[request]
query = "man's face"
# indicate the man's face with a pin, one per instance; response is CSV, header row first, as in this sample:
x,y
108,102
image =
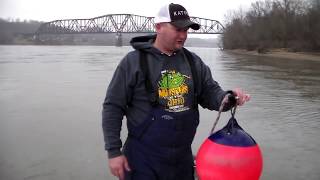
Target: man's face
x,y
173,38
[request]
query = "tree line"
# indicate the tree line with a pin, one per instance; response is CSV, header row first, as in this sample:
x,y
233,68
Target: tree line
x,y
291,24
12,31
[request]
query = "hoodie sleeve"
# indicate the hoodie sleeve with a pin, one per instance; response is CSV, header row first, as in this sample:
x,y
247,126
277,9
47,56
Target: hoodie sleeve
x,y
211,94
114,108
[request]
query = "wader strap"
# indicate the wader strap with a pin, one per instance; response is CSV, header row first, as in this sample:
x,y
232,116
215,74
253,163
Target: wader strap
x,y
144,65
194,76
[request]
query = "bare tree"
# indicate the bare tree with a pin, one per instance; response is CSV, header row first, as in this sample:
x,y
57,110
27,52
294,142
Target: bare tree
x,y
290,24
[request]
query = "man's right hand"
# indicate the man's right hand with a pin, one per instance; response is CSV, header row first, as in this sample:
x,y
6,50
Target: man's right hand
x,y
118,165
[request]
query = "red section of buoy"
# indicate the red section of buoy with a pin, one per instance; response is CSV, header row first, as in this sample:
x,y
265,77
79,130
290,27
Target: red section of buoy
x,y
229,154
223,162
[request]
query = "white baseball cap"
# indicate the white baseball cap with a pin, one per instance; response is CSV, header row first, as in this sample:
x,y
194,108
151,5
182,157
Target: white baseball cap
x,y
176,15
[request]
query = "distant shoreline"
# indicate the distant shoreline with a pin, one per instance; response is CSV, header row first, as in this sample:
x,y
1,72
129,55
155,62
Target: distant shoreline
x,y
279,53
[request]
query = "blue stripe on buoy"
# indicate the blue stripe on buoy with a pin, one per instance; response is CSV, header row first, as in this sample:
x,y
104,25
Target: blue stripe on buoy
x,y
233,135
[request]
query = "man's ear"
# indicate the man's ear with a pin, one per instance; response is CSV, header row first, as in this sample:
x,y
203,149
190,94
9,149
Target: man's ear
x,y
158,26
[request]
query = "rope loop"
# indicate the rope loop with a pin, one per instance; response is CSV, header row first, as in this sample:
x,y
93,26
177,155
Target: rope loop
x,y
223,103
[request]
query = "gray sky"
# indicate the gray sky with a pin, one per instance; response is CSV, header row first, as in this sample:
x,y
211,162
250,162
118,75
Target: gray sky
x,y
49,10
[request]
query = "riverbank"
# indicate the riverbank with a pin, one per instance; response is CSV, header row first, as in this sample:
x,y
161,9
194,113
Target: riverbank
x,y
279,53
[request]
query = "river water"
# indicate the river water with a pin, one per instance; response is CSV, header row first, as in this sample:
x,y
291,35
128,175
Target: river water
x,y
51,99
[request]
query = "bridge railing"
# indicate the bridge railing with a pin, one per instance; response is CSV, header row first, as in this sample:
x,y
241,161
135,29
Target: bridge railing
x,y
119,23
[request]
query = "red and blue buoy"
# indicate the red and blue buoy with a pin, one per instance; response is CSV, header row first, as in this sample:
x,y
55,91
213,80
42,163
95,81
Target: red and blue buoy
x,y
229,154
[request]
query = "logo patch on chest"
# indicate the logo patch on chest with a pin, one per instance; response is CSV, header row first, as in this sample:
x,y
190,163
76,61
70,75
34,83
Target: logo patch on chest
x,y
167,117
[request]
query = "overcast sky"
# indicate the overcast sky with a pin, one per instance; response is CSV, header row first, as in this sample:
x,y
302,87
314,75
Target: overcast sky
x,y
49,10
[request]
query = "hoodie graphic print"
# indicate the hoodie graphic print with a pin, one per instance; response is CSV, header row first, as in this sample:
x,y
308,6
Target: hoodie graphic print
x,y
174,85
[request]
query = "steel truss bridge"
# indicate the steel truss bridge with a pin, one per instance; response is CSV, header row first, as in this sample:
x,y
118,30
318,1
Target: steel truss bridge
x,y
118,23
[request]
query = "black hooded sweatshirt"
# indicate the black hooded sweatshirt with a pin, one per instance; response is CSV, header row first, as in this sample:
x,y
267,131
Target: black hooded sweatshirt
x,y
170,75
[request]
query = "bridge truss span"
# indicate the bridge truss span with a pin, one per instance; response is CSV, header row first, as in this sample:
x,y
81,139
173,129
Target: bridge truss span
x,y
208,26
119,23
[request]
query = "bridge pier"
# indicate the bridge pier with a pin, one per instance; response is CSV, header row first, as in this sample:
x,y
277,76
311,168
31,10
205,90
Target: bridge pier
x,y
119,39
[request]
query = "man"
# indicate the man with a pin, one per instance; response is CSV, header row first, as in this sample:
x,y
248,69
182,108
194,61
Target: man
x,y
158,88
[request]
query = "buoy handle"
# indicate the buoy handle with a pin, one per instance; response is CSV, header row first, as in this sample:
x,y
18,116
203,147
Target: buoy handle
x,y
233,110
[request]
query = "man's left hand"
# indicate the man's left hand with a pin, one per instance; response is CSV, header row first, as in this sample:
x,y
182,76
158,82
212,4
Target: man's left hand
x,y
241,96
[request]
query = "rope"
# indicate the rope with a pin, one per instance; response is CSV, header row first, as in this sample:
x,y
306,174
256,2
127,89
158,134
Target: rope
x,y
223,103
